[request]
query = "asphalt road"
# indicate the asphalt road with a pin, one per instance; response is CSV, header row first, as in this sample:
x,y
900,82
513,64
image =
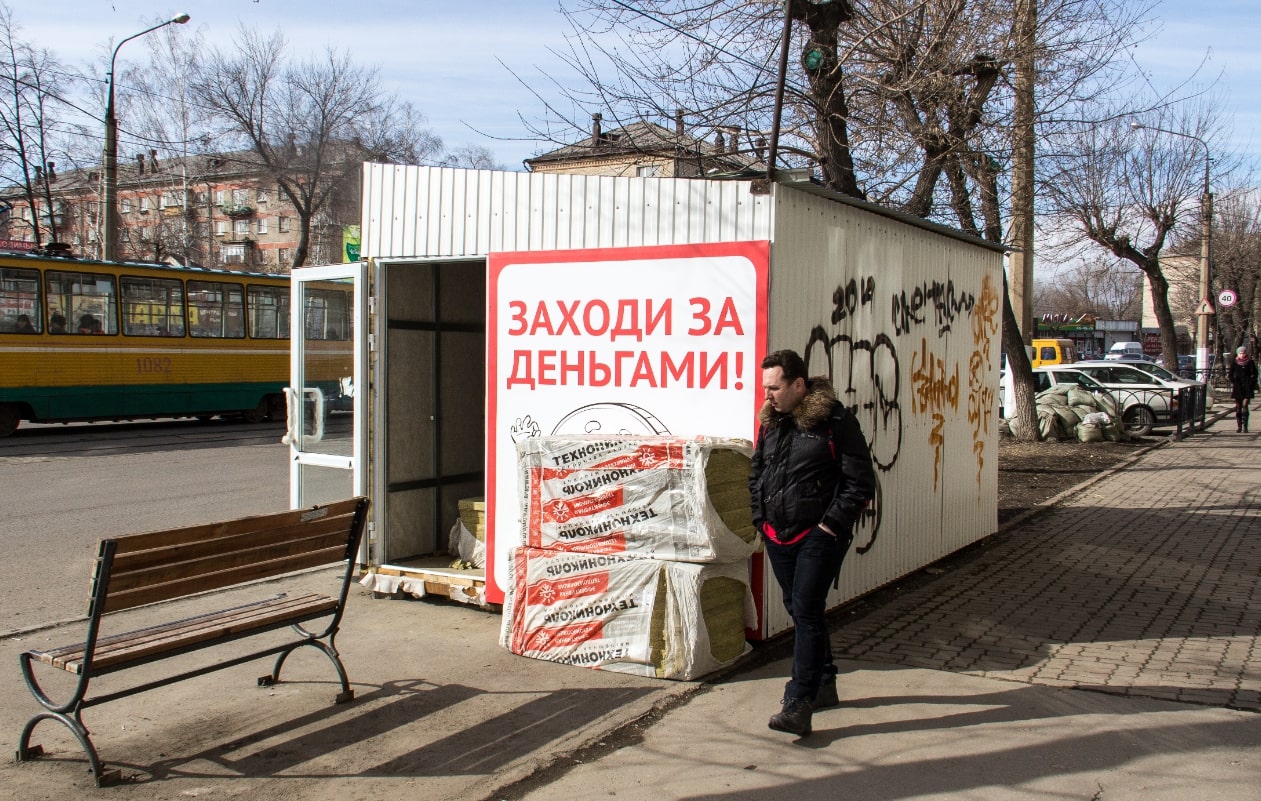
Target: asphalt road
x,y
64,487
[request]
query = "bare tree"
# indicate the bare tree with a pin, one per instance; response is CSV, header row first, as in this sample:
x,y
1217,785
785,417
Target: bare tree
x,y
1237,266
473,157
29,113
1095,288
309,125
1132,192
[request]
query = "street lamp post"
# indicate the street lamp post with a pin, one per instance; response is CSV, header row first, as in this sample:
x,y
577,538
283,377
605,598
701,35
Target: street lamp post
x,y
109,180
1206,233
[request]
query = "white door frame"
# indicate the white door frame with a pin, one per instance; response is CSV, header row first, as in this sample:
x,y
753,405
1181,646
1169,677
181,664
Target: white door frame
x,y
357,273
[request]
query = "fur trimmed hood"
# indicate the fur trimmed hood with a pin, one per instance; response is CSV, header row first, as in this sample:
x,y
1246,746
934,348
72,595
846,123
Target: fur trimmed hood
x,y
815,407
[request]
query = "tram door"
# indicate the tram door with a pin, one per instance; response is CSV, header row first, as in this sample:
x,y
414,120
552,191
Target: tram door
x,y
327,394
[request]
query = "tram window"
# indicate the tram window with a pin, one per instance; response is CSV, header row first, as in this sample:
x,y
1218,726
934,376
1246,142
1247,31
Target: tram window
x,y
216,310
19,302
87,302
153,307
327,315
269,312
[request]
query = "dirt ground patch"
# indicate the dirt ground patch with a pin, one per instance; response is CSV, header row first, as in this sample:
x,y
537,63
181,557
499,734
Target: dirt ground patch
x,y
1031,472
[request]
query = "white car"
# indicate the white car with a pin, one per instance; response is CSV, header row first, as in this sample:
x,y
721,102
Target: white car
x,y
1160,371
1117,371
1143,401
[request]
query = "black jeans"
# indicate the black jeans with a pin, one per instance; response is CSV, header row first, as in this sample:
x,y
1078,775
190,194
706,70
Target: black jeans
x,y
806,570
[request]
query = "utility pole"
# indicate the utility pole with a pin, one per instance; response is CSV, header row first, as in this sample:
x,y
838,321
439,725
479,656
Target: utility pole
x,y
109,155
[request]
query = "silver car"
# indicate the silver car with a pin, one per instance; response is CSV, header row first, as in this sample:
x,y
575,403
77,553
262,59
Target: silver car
x,y
1144,400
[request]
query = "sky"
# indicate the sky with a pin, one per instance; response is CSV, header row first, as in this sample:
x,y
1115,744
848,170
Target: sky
x,y
455,61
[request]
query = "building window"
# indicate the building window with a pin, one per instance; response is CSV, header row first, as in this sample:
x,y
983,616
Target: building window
x,y
124,205
282,224
240,197
261,196
648,171
144,205
218,197
233,254
262,225
221,227
241,227
171,199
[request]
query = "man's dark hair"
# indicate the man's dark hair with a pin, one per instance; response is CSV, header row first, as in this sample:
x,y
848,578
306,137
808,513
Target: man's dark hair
x,y
794,366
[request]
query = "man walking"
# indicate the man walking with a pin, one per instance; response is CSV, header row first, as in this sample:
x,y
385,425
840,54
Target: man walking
x,y
810,480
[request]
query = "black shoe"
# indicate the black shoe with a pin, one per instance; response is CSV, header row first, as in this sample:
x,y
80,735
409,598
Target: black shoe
x,y
795,717
826,698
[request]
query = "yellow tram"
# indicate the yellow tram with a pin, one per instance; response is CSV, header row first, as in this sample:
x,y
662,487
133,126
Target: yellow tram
x,y
91,340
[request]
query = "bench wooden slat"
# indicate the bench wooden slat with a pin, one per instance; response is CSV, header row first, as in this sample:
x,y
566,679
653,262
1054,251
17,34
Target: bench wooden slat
x,y
75,650
208,628
214,564
192,534
122,653
152,593
132,560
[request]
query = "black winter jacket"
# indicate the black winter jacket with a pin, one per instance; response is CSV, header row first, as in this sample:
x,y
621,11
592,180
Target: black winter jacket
x,y
799,479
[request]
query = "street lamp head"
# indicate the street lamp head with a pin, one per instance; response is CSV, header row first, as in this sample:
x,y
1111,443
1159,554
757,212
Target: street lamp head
x,y
181,19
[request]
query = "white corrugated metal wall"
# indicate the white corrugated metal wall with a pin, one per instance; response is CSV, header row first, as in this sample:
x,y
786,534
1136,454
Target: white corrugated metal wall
x,y
899,317
428,212
904,319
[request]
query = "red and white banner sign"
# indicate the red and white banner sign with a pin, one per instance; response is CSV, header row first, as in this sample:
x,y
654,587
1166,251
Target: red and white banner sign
x,y
653,340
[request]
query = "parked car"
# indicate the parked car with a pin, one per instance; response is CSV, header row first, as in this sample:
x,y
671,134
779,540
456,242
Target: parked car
x,y
1120,350
1152,369
1143,402
1052,351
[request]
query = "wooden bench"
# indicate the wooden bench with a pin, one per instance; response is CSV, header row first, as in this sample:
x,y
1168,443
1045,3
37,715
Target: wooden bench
x,y
165,565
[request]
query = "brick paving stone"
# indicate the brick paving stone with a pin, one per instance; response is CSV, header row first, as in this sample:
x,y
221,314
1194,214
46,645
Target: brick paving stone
x,y
1148,584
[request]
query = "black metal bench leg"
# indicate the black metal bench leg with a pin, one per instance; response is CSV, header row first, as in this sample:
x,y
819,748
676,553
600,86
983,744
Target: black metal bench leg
x,y
347,694
27,752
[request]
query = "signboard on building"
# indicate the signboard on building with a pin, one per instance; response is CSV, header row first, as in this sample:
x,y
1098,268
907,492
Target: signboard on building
x,y
650,340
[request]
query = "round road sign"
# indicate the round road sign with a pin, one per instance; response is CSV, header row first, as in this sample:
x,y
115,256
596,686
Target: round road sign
x,y
1227,297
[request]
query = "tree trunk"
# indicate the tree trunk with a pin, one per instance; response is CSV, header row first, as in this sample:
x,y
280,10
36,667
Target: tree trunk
x,y
1022,171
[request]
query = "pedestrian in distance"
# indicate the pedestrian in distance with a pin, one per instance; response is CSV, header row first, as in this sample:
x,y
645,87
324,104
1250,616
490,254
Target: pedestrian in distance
x,y
811,478
1242,373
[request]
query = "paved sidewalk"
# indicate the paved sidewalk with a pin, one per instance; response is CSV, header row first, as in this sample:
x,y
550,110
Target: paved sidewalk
x,y
1144,587
1146,583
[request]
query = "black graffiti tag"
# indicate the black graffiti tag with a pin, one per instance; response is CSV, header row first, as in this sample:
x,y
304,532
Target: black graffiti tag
x,y
944,301
846,299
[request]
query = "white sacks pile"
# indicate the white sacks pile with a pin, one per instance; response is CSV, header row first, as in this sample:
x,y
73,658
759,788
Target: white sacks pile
x,y
633,554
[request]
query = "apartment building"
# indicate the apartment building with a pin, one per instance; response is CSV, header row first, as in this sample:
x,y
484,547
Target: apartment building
x,y
212,211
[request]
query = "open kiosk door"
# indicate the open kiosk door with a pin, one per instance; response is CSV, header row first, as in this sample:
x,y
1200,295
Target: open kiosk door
x,y
327,401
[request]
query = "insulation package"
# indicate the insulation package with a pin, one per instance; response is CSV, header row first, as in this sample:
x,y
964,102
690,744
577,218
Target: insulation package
x,y
666,498
473,515
649,617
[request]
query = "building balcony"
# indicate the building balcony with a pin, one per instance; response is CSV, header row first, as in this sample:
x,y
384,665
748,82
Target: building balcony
x,y
237,211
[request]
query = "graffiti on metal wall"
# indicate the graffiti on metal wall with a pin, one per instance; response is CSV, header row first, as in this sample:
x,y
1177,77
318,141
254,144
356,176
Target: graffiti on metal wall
x,y
981,400
867,372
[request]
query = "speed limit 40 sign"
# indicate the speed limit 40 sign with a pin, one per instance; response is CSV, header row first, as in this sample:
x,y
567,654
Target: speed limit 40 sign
x,y
1227,297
